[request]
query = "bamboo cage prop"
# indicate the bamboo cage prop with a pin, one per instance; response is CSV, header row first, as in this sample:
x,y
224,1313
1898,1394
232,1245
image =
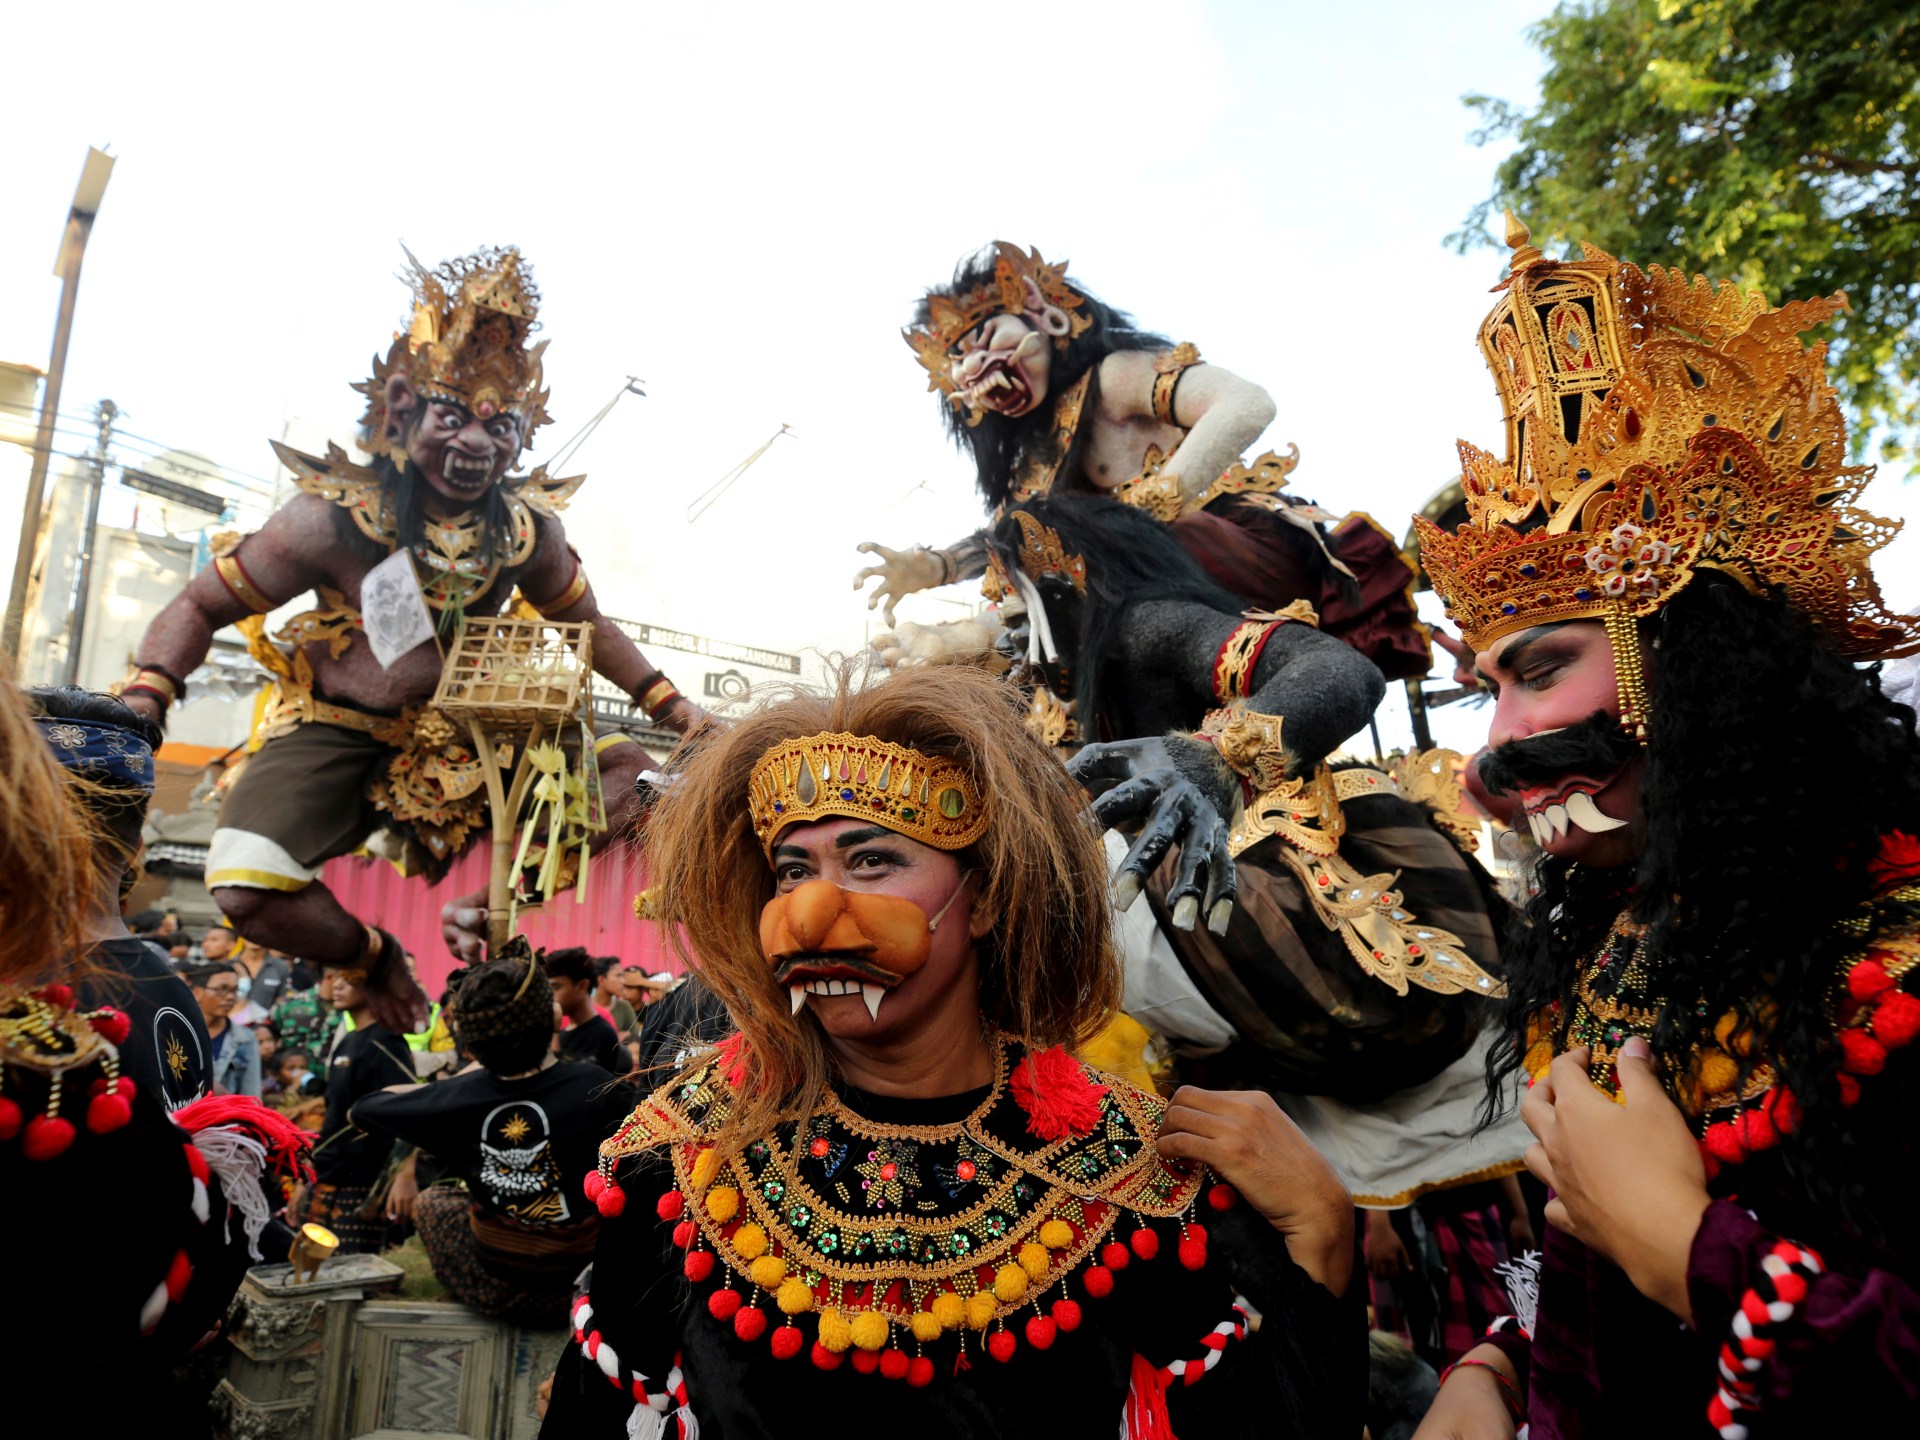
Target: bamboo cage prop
x,y
514,682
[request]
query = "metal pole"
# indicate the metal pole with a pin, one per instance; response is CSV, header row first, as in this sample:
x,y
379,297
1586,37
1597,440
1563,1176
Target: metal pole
x,y
103,414
1417,713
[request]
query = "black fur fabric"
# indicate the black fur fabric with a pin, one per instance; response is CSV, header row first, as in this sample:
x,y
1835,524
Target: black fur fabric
x,y
1595,747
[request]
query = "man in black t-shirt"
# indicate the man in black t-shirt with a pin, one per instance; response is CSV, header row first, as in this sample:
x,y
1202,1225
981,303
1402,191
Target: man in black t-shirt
x,y
349,1162
518,1133
589,1034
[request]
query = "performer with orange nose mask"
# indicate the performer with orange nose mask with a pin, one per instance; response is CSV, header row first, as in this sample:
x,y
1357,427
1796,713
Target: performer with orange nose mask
x,y
894,1185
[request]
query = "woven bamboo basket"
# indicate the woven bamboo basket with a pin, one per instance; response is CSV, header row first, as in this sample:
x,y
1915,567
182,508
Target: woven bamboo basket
x,y
512,674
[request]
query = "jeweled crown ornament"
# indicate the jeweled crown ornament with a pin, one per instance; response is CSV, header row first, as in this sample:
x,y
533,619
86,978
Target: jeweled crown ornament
x,y
466,341
1043,555
1658,427
1022,284
839,775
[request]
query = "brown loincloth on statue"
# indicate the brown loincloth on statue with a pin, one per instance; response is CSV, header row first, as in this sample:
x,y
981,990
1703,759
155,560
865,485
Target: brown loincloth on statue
x,y
306,791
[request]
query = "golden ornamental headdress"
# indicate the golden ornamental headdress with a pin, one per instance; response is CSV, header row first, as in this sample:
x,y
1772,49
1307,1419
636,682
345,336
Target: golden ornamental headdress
x,y
1042,554
1657,428
857,777
466,341
1022,284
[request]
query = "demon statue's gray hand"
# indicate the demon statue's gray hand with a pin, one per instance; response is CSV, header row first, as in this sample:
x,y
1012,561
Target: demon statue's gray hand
x,y
1176,791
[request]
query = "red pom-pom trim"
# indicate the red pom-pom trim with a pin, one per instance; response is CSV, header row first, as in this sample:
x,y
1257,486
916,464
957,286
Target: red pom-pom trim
x,y
1861,1054
46,1137
920,1372
698,1266
1896,1019
1723,1143
1756,1130
593,1185
670,1206
1145,1243
724,1303
1001,1345
112,1026
750,1323
893,1364
1066,1314
1782,1109
1222,1197
683,1234
612,1201
786,1342
1849,1090
1193,1248
865,1362
823,1358
107,1113
1041,1332
58,996
10,1119
1115,1256
1054,1090
1868,979
1099,1281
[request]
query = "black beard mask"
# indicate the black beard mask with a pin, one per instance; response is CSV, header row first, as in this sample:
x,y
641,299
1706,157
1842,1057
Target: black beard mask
x,y
1597,747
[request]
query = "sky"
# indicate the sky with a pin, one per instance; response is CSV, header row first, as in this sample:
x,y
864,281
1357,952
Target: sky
x,y
739,204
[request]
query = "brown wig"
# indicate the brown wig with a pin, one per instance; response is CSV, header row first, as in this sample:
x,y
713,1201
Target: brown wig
x,y
46,850
1048,971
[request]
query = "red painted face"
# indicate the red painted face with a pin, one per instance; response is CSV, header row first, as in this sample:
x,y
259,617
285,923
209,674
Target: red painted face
x,y
1003,365
459,453
869,930
1549,678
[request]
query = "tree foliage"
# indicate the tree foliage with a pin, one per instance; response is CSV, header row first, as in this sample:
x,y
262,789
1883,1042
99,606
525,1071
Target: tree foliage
x,y
1770,142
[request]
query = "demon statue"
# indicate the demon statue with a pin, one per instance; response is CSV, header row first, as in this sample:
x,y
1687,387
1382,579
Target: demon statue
x,y
351,748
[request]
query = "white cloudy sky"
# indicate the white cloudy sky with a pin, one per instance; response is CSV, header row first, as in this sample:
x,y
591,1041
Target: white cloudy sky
x,y
739,203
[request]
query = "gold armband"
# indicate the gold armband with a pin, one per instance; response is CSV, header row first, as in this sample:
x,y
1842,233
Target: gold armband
x,y
568,597
234,576
658,696
154,682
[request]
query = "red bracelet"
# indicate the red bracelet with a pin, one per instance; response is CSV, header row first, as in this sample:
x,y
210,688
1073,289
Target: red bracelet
x,y
1516,1409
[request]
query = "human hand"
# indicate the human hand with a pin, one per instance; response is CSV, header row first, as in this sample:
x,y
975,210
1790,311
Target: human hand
x,y
1248,1141
143,702
900,572
1469,1406
1155,787
682,716
1627,1179
401,1195
463,925
1387,1254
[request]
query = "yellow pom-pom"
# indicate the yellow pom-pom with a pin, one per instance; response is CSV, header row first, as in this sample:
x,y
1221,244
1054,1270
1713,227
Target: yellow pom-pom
x,y
706,1165
1056,1234
981,1307
1718,1072
1010,1283
1034,1260
750,1240
925,1325
767,1272
795,1296
723,1203
835,1333
1539,1056
950,1310
870,1330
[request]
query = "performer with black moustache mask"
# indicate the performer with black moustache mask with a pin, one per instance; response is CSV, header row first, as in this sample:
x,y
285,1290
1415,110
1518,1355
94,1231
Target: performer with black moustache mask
x,y
1668,588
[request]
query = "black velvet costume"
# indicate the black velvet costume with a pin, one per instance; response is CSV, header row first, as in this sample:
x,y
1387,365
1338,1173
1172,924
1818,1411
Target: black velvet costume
x,y
901,1207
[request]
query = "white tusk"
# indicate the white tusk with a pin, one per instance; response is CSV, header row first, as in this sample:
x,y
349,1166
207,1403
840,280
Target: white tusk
x,y
1582,810
1538,824
873,995
799,994
1557,818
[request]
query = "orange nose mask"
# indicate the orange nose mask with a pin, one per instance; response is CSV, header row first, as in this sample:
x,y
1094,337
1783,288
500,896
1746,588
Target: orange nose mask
x,y
820,937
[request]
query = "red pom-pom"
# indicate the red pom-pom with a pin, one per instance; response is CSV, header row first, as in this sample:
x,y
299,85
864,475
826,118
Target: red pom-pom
x,y
786,1342
1054,1090
865,1362
1861,1054
823,1358
698,1265
46,1137
1898,860
920,1372
670,1206
611,1201
1756,1130
749,1323
1000,1345
893,1364
1193,1250
10,1119
1868,979
1041,1332
1099,1281
1066,1314
1849,1090
1896,1019
683,1234
731,1053
1145,1243
1710,1162
1782,1109
724,1303
112,1026
58,996
1723,1143
1114,1255
107,1113
593,1185
1222,1197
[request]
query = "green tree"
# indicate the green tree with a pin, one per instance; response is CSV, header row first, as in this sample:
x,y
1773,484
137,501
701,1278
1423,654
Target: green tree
x,y
1766,141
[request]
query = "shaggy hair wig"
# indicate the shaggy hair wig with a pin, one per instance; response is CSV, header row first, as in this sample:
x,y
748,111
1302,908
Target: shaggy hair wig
x,y
46,847
1048,971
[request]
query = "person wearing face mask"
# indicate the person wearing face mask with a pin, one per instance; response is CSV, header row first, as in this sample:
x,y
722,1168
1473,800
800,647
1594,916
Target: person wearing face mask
x,y
894,1185
1668,590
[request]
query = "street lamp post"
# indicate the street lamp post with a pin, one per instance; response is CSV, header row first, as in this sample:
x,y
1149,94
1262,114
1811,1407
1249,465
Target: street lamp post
x,y
73,245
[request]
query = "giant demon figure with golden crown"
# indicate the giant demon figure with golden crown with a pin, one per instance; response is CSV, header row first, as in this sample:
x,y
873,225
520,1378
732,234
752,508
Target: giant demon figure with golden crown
x,y
1053,393
350,747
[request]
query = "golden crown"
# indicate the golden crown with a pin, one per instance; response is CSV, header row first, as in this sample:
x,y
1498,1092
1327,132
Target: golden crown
x,y
466,341
857,777
1022,284
1656,428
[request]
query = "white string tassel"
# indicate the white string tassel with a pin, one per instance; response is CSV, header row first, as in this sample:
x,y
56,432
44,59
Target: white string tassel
x,y
1522,1279
240,1161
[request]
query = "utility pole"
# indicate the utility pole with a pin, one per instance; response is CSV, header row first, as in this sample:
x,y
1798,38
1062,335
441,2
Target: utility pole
x,y
73,245
103,414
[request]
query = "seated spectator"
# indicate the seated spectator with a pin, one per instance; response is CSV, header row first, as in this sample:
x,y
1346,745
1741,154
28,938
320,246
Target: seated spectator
x,y
236,1054
289,1070
610,996
518,1133
589,1034
269,1042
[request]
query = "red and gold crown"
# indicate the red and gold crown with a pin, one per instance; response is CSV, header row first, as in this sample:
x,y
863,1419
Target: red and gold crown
x,y
1023,284
816,777
1657,428
466,341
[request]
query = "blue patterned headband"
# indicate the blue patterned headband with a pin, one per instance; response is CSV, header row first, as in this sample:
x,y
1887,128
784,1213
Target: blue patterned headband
x,y
110,753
